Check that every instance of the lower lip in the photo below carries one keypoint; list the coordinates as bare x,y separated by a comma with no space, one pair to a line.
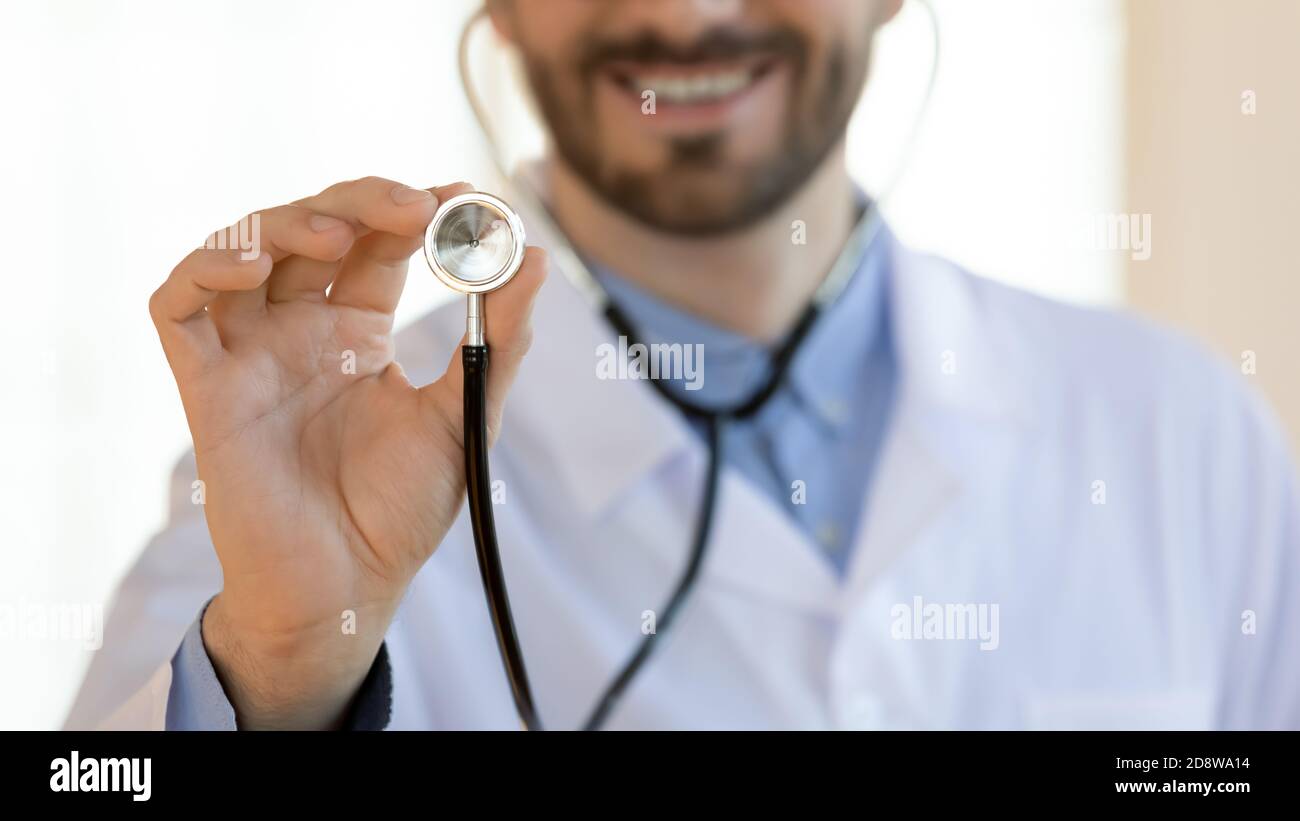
679,118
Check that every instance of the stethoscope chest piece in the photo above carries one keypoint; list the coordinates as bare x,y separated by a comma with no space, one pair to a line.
475,243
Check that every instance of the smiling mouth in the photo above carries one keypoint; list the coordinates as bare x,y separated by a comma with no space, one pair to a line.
686,84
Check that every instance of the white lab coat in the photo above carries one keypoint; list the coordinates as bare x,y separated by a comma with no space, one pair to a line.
1121,604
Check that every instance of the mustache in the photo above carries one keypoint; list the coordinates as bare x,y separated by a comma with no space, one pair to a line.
715,45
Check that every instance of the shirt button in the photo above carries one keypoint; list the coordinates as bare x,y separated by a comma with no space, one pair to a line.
836,411
829,535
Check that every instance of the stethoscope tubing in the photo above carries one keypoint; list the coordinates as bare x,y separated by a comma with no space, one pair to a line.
478,492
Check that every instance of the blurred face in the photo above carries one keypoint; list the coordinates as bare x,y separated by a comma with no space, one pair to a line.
694,116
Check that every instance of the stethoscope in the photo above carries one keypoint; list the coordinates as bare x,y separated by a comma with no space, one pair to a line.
474,245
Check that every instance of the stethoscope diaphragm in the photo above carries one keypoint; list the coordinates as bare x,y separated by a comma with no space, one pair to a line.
475,243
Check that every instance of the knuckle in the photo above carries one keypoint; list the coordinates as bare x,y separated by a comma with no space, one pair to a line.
338,187
181,267
180,271
156,304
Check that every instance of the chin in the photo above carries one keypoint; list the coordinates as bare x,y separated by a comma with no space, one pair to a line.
697,210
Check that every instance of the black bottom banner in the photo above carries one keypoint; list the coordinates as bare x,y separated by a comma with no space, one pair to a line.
203,772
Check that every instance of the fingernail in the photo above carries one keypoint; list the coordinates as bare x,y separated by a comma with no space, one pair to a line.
320,222
405,195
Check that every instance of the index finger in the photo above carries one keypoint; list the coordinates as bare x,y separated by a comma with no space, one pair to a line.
377,204
373,273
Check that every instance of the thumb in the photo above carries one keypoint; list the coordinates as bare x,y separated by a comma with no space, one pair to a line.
508,331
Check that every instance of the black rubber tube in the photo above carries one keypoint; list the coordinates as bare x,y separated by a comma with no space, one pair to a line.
478,484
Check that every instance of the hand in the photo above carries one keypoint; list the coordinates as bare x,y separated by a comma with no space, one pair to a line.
329,479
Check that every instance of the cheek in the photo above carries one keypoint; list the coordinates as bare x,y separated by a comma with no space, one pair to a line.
550,27
829,15
836,35
547,35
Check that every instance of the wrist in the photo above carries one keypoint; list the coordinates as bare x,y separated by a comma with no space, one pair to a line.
300,679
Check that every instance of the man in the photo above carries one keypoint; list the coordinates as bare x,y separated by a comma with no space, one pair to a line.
965,506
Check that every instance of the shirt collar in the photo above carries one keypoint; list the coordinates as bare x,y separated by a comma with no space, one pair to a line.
848,337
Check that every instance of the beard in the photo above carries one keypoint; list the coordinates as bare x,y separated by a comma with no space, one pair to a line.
697,191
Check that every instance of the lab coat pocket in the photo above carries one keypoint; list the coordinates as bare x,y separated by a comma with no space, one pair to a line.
1189,708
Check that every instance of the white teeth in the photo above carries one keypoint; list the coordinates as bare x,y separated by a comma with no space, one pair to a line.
698,88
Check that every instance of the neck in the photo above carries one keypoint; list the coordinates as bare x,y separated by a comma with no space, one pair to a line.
755,281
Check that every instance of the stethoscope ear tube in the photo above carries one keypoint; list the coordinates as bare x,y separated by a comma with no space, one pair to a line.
478,482
715,429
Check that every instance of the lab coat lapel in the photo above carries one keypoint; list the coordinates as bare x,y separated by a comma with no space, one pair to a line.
596,437
756,548
957,416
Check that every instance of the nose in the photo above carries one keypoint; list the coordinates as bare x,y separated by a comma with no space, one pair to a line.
682,21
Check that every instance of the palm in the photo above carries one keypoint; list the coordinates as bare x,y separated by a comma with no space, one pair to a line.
351,470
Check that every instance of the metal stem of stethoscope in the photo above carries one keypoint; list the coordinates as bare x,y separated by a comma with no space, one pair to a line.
474,331
713,420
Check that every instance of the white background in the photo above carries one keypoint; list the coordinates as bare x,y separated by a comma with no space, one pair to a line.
133,129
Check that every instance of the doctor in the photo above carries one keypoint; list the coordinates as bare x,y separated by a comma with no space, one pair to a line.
966,507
